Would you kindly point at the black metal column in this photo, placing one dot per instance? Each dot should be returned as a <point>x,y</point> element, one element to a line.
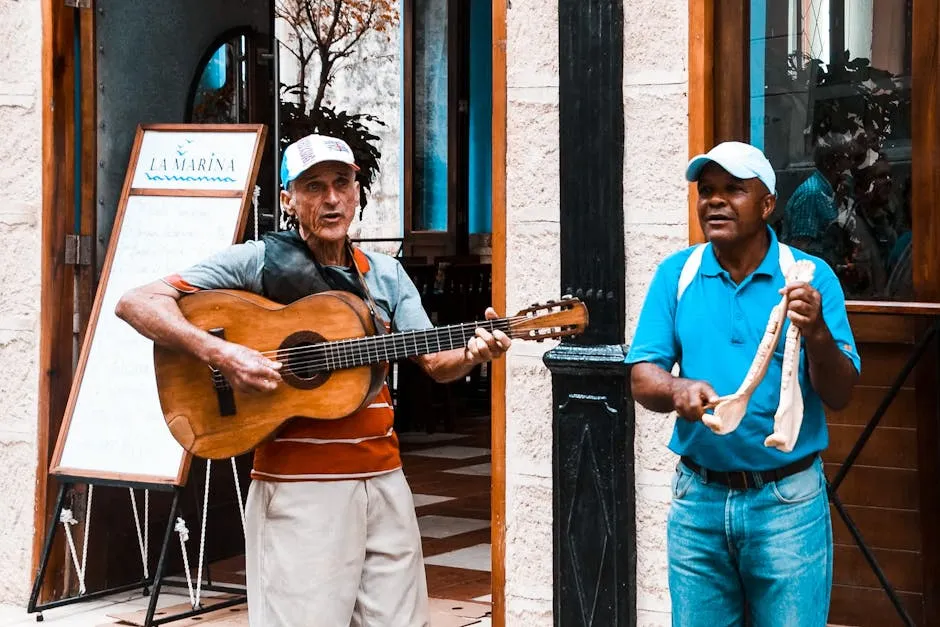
<point>593,420</point>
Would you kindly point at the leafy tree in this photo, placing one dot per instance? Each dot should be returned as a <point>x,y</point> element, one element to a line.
<point>327,32</point>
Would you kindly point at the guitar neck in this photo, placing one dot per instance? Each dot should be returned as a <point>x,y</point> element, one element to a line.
<point>395,346</point>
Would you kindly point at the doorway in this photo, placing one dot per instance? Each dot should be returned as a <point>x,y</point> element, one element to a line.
<point>447,431</point>
<point>213,64</point>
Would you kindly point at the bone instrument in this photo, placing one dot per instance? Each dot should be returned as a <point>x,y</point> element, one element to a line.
<point>730,410</point>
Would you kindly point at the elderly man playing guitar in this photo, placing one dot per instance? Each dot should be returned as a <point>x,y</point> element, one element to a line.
<point>332,537</point>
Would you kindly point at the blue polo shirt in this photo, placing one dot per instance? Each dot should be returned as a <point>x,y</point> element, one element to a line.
<point>713,333</point>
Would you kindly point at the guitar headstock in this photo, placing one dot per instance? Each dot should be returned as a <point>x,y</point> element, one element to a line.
<point>566,317</point>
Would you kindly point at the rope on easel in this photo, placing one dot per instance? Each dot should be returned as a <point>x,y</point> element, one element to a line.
<point>238,491</point>
<point>254,201</point>
<point>67,519</point>
<point>202,534</point>
<point>143,540</point>
<point>181,529</point>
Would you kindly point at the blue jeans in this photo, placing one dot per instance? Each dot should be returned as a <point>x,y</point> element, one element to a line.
<point>769,548</point>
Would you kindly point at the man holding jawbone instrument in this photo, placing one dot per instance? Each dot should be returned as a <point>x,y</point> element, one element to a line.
<point>331,532</point>
<point>749,524</point>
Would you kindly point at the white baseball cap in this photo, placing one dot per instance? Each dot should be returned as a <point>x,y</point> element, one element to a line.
<point>741,160</point>
<point>308,151</point>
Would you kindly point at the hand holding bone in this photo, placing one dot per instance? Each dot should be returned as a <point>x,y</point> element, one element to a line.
<point>691,398</point>
<point>805,312</point>
<point>730,410</point>
<point>804,305</point>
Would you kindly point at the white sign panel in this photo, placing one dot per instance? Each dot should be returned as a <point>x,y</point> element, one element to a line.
<point>117,425</point>
<point>114,427</point>
<point>197,160</point>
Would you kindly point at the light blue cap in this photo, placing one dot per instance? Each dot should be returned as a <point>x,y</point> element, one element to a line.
<point>308,151</point>
<point>741,160</point>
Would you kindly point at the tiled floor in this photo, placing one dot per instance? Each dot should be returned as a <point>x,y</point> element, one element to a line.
<point>455,532</point>
<point>449,474</point>
<point>449,477</point>
<point>98,612</point>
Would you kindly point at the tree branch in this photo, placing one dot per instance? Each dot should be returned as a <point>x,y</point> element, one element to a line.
<point>366,27</point>
<point>337,10</point>
<point>313,21</point>
<point>326,63</point>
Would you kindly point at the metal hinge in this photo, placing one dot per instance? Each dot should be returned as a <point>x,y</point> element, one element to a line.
<point>78,250</point>
<point>78,4</point>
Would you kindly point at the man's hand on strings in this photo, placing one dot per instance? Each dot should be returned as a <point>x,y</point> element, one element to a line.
<point>486,346</point>
<point>246,369</point>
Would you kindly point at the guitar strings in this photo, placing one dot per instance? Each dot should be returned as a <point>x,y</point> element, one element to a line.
<point>348,351</point>
<point>338,350</point>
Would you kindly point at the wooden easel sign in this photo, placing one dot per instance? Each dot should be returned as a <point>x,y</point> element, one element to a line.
<point>186,195</point>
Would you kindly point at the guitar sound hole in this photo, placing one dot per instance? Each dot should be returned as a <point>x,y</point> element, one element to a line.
<point>300,362</point>
<point>298,355</point>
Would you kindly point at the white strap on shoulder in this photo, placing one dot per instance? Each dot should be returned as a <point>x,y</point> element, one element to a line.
<point>786,259</point>
<point>690,269</point>
<point>692,264</point>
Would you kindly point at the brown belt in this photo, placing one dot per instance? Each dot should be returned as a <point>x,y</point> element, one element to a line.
<point>746,479</point>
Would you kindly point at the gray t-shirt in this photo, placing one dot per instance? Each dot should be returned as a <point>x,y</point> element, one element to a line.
<point>239,267</point>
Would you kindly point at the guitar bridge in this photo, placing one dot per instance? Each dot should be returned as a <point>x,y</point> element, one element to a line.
<point>223,391</point>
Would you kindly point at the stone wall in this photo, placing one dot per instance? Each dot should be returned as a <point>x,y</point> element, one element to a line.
<point>656,224</point>
<point>20,210</point>
<point>655,206</point>
<point>532,275</point>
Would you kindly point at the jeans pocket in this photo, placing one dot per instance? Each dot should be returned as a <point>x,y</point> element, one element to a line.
<point>681,482</point>
<point>799,487</point>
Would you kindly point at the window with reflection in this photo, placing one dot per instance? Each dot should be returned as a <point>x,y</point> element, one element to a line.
<point>431,122</point>
<point>221,94</point>
<point>830,105</point>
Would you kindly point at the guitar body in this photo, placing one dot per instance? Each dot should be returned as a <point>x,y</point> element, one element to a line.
<point>211,420</point>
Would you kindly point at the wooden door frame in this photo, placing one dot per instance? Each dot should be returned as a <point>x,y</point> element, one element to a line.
<point>708,123</point>
<point>57,301</point>
<point>925,189</point>
<point>425,242</point>
<point>498,378</point>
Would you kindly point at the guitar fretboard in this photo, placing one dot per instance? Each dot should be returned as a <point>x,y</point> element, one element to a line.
<point>394,346</point>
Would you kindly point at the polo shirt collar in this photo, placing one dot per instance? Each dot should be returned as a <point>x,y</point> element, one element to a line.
<point>769,266</point>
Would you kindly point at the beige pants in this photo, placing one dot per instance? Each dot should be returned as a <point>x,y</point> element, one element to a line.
<point>335,554</point>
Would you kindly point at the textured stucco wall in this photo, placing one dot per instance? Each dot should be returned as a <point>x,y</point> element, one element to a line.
<point>655,206</point>
<point>20,204</point>
<point>532,274</point>
<point>656,224</point>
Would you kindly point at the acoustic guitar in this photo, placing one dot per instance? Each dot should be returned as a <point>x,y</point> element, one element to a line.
<point>334,361</point>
